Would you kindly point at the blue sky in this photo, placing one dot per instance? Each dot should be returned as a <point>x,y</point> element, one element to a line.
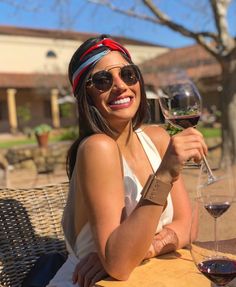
<point>87,17</point>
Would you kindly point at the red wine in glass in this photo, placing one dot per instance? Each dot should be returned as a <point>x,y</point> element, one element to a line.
<point>216,206</point>
<point>216,209</point>
<point>185,121</point>
<point>219,270</point>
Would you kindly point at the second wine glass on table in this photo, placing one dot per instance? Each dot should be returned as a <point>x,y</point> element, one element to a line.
<point>181,105</point>
<point>220,266</point>
<point>218,196</point>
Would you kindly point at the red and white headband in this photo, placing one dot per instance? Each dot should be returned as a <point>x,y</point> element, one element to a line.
<point>108,43</point>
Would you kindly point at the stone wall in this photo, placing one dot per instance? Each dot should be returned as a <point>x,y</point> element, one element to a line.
<point>31,156</point>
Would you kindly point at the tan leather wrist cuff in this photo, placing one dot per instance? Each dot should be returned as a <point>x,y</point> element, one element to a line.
<point>156,191</point>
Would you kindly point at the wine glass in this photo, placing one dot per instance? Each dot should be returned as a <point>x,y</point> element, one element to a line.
<point>218,195</point>
<point>220,266</point>
<point>181,105</point>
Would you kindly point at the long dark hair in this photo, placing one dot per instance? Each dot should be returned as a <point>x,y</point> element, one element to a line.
<point>90,120</point>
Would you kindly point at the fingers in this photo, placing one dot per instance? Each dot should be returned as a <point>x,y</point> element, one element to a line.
<point>88,271</point>
<point>82,268</point>
<point>150,253</point>
<point>188,144</point>
<point>91,274</point>
<point>99,276</point>
<point>194,135</point>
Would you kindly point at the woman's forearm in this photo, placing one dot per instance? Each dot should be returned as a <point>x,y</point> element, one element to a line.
<point>127,245</point>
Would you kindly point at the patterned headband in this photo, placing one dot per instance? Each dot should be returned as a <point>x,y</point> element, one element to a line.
<point>108,43</point>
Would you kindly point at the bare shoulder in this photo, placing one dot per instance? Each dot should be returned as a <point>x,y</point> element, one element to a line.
<point>98,148</point>
<point>158,135</point>
<point>97,141</point>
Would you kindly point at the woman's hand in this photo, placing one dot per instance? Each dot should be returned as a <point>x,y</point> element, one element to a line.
<point>163,242</point>
<point>89,271</point>
<point>188,144</point>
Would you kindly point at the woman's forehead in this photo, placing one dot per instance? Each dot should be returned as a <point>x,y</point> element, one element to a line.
<point>113,58</point>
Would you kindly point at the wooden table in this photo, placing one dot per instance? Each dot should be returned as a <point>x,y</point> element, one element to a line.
<point>171,270</point>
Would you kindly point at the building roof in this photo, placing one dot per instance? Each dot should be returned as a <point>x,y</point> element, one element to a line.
<point>64,34</point>
<point>30,81</point>
<point>194,60</point>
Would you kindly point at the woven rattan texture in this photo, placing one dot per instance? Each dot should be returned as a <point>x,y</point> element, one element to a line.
<point>30,225</point>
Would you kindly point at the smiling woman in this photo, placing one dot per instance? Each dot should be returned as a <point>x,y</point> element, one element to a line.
<point>113,73</point>
<point>127,201</point>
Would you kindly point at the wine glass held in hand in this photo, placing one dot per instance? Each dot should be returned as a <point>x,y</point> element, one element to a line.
<point>220,266</point>
<point>181,105</point>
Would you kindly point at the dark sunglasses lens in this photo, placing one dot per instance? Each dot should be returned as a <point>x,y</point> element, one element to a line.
<point>102,80</point>
<point>129,75</point>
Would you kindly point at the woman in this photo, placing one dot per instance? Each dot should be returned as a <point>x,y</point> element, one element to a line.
<point>117,214</point>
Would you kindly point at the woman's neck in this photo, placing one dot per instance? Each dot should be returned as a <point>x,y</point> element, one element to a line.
<point>126,139</point>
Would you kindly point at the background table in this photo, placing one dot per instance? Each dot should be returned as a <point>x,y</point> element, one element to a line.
<point>171,270</point>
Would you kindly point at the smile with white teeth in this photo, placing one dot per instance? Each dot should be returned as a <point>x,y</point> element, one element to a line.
<point>121,101</point>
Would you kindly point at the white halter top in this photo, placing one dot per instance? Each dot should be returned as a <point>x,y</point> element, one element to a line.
<point>85,243</point>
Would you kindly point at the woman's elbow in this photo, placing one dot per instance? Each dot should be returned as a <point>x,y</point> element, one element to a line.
<point>119,272</point>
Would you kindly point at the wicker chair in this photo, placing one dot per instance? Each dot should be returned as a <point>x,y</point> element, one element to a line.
<point>30,225</point>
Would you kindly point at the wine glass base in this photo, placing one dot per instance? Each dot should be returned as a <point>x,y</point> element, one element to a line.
<point>191,165</point>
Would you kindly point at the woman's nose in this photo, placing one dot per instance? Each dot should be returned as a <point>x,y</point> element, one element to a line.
<point>118,83</point>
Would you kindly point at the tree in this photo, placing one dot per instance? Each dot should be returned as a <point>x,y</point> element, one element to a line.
<point>218,42</point>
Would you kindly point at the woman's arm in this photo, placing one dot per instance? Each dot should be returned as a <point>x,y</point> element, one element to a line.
<point>122,245</point>
<point>176,234</point>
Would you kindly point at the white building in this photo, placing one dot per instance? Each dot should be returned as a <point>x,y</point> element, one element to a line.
<point>33,74</point>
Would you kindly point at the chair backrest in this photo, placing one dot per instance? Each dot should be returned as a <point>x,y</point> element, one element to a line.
<point>30,225</point>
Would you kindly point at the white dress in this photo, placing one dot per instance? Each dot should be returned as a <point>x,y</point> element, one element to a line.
<point>84,241</point>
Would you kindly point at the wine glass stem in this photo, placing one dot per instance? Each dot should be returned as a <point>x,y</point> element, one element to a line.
<point>215,235</point>
<point>211,176</point>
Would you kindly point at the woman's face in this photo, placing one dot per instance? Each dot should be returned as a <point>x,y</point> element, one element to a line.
<point>120,102</point>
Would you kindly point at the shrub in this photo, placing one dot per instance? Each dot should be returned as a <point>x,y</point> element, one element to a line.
<point>42,129</point>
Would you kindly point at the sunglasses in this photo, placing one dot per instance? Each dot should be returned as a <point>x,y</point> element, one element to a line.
<point>103,80</point>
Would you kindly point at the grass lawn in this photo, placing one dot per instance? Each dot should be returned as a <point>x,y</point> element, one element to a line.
<point>4,144</point>
<point>9,143</point>
<point>207,132</point>
<point>210,132</point>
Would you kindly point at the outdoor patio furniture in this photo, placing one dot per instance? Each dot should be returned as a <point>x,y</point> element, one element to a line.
<point>30,226</point>
<point>3,172</point>
<point>45,166</point>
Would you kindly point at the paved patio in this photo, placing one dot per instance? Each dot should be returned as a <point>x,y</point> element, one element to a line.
<point>26,178</point>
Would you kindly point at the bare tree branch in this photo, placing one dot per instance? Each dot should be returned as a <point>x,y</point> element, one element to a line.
<point>130,12</point>
<point>30,6</point>
<point>219,8</point>
<point>216,44</point>
<point>201,37</point>
<point>162,19</point>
